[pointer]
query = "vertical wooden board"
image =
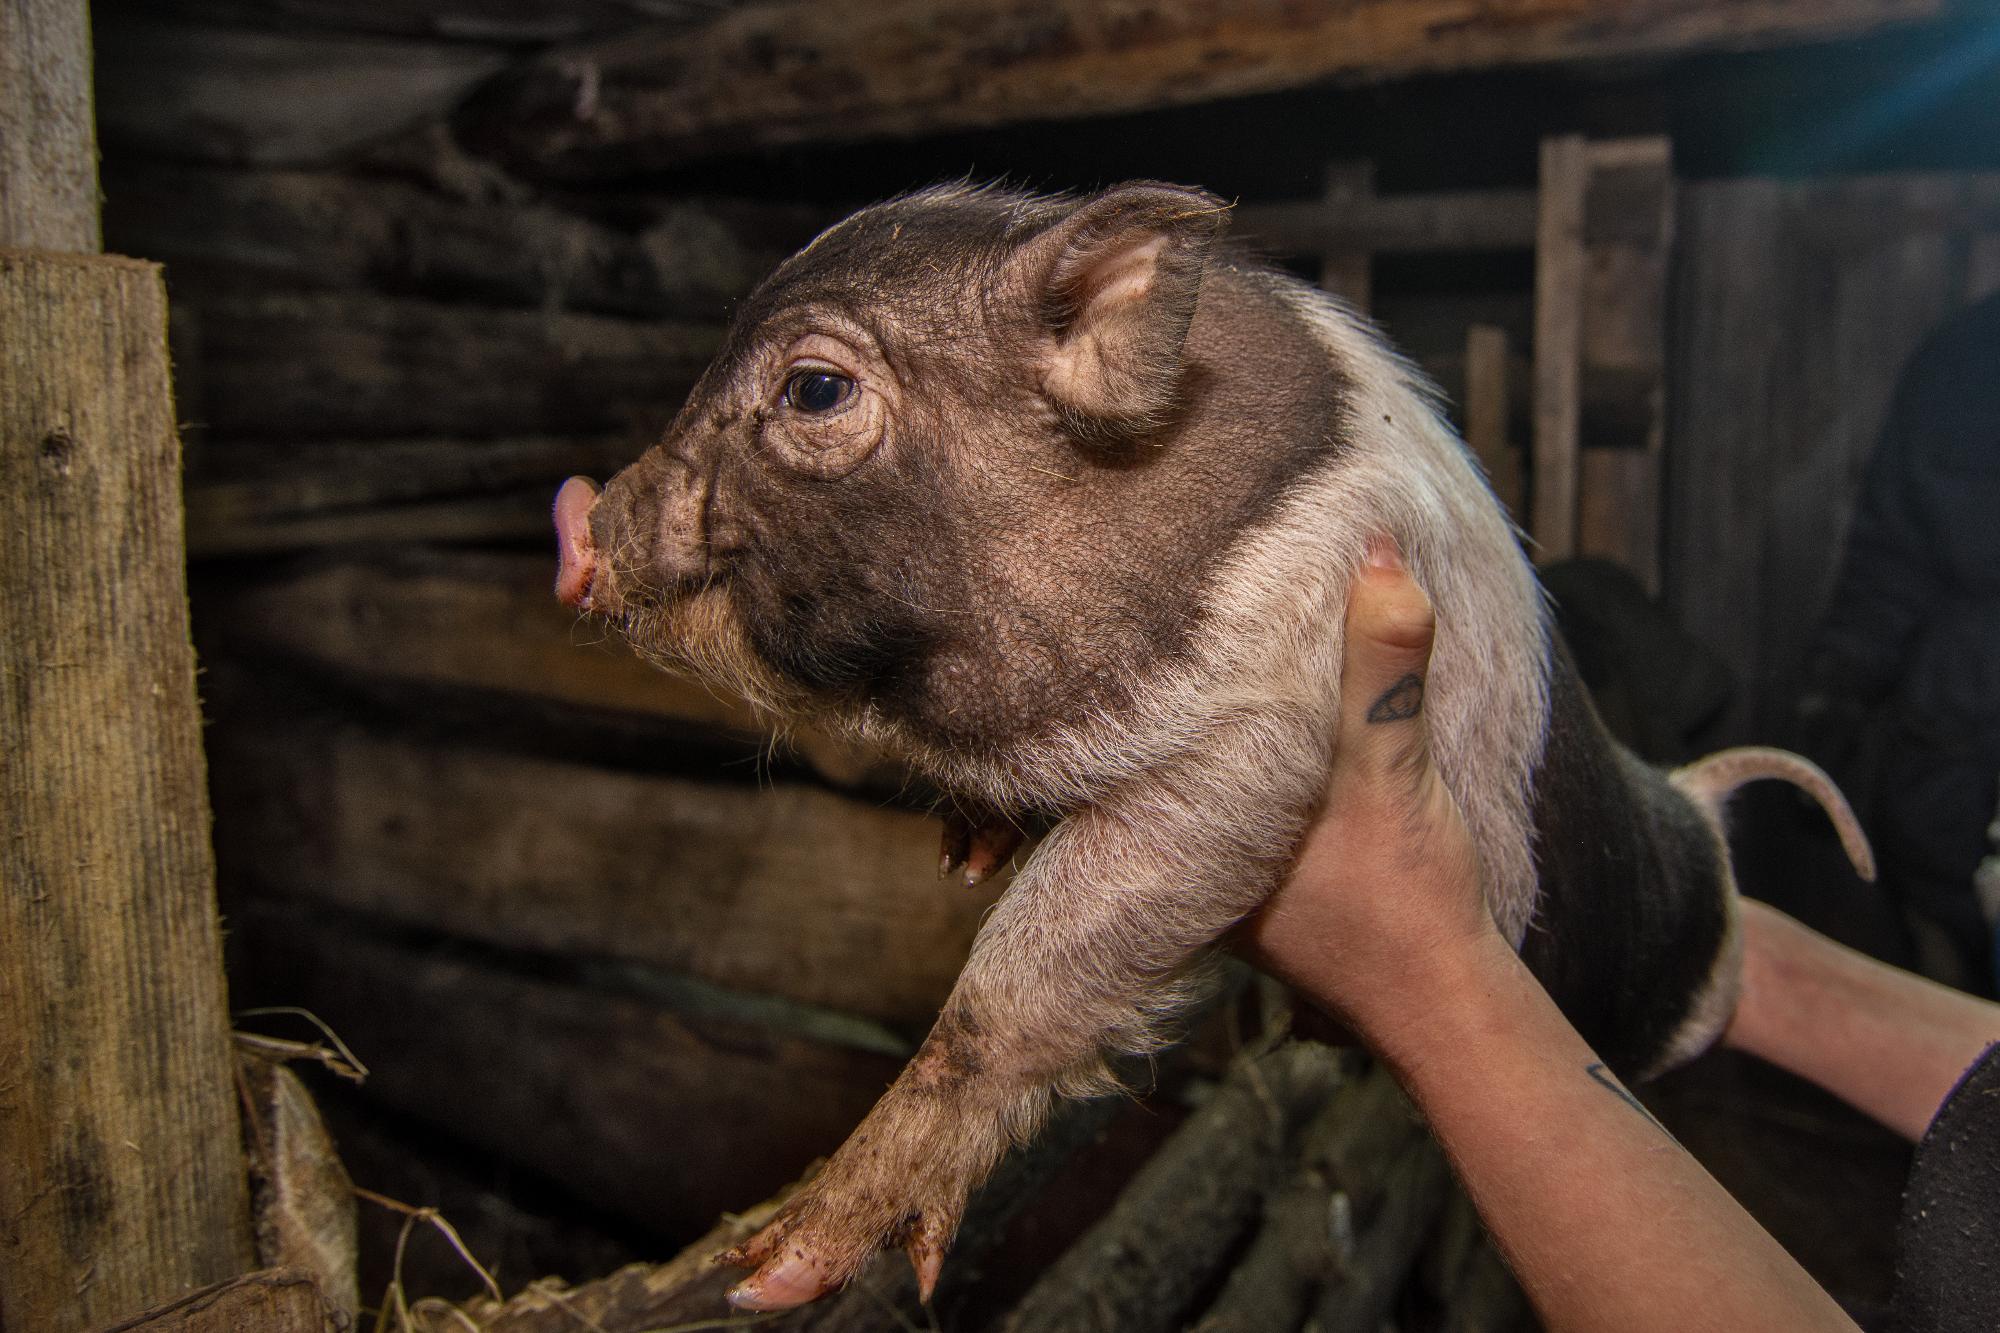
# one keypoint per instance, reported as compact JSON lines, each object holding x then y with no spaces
{"x":121,"y":1168}
{"x":1857,"y":315}
{"x":1486,"y":413}
{"x":48,"y":131}
{"x":1349,"y":274}
{"x":1727,"y":344}
{"x":1619,"y":514}
{"x":1559,"y":282}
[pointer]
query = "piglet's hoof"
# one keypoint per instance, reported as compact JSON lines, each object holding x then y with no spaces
{"x":977,"y":846}
{"x":820,"y":1242}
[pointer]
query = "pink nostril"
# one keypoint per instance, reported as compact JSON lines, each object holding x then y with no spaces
{"x":573,"y":543}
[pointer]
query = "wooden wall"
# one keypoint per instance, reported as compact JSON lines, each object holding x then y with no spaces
{"x":1796,"y":305}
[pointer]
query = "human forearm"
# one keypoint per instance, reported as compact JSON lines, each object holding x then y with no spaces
{"x":1607,"y":1222}
{"x":1887,"y":1042}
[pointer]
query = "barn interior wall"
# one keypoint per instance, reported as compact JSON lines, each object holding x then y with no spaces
{"x":441,"y":807}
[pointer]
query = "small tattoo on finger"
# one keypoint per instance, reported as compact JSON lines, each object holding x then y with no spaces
{"x":1400,"y":702}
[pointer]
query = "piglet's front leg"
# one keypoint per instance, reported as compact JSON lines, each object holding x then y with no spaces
{"x":1084,"y":957}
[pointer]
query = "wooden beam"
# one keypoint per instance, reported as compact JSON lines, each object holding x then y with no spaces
{"x":664,"y":1113}
{"x":286,"y":367}
{"x":1559,"y":292}
{"x":48,"y":133}
{"x":122,"y":1178}
{"x":791,"y":891}
{"x":797,"y":71}
{"x":479,"y":620}
{"x":182,"y":90}
{"x":1395,"y":223}
{"x":331,"y":229}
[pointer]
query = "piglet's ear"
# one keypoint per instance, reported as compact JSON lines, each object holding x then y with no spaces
{"x":1119,"y":281}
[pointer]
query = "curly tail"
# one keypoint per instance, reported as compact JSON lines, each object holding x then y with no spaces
{"x":1713,"y":779}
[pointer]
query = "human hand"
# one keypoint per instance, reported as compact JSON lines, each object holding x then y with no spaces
{"x":1385,"y":900}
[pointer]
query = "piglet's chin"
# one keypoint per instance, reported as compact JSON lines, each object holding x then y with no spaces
{"x":575,"y":549}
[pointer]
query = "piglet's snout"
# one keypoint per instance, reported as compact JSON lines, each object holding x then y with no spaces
{"x":575,"y":547}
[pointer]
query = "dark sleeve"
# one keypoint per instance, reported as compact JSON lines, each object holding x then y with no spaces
{"x":1948,"y":1245}
{"x":1890,"y":577}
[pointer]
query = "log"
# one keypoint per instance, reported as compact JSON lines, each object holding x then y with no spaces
{"x":257,"y":495}
{"x":271,"y":1300}
{"x":302,"y":229}
{"x":790,"y":891}
{"x":221,"y":94}
{"x":1414,"y":1191}
{"x":481,"y":621}
{"x":661,"y":1106}
{"x":48,"y":134}
{"x":1174,"y":1228}
{"x":304,"y":1201}
{"x":121,"y":1168}
{"x":291,"y":367}
{"x":797,"y":72}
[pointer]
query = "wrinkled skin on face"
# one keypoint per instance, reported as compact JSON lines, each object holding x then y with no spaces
{"x":957,"y":473}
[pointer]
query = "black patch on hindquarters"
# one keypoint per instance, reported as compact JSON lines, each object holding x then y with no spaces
{"x":1631,"y":914}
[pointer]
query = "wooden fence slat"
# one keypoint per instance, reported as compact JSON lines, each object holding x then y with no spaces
{"x":48,"y":128}
{"x":121,"y":1168}
{"x":1559,"y":284}
{"x":1349,"y":274}
{"x":1486,"y":409}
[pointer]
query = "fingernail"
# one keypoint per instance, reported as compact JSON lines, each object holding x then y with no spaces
{"x":1383,"y":552}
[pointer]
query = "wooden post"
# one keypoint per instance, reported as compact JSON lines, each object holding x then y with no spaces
{"x":121,"y":1165}
{"x":48,"y":137}
{"x":1559,"y":278}
{"x":1486,"y":412}
{"x":1348,"y":274}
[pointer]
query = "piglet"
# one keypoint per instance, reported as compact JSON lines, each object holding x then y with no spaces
{"x":1059,"y":499}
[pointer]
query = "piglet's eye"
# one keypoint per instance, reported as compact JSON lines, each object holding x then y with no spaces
{"x":818,"y":390}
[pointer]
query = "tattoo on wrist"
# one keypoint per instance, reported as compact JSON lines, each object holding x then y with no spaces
{"x":1604,"y":1078}
{"x":1400,"y":702}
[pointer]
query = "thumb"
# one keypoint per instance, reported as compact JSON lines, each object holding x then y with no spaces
{"x":1389,"y":632}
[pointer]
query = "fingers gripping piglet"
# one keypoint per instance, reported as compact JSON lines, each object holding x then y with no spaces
{"x":1059,"y":499}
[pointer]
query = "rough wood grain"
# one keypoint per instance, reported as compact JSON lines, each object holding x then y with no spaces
{"x":1559,"y":281}
{"x":271,"y":1300}
{"x":789,"y":891}
{"x":48,"y":131}
{"x":285,"y":367}
{"x":1487,"y":413}
{"x":662,"y":1107}
{"x":259,"y":496}
{"x":479,"y":620}
{"x":121,"y":1171}
{"x":1176,"y":1226}
{"x":796,"y":71}
{"x":332,"y":229}
{"x":224,"y":94}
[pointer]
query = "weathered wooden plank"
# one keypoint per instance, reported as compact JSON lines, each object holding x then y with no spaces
{"x":664,"y":1113}
{"x":1730,"y":340}
{"x":511,"y":21}
{"x":792,"y":891}
{"x":121,"y":1167}
{"x":48,"y":132}
{"x":795,"y":71}
{"x":223,"y":94}
{"x":1349,"y":273}
{"x":1486,"y":413}
{"x":1559,"y":284}
{"x":289,"y":366}
{"x":478,"y":621}
{"x":328,"y":229}
{"x":271,"y":1300}
{"x":1393,"y":224}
